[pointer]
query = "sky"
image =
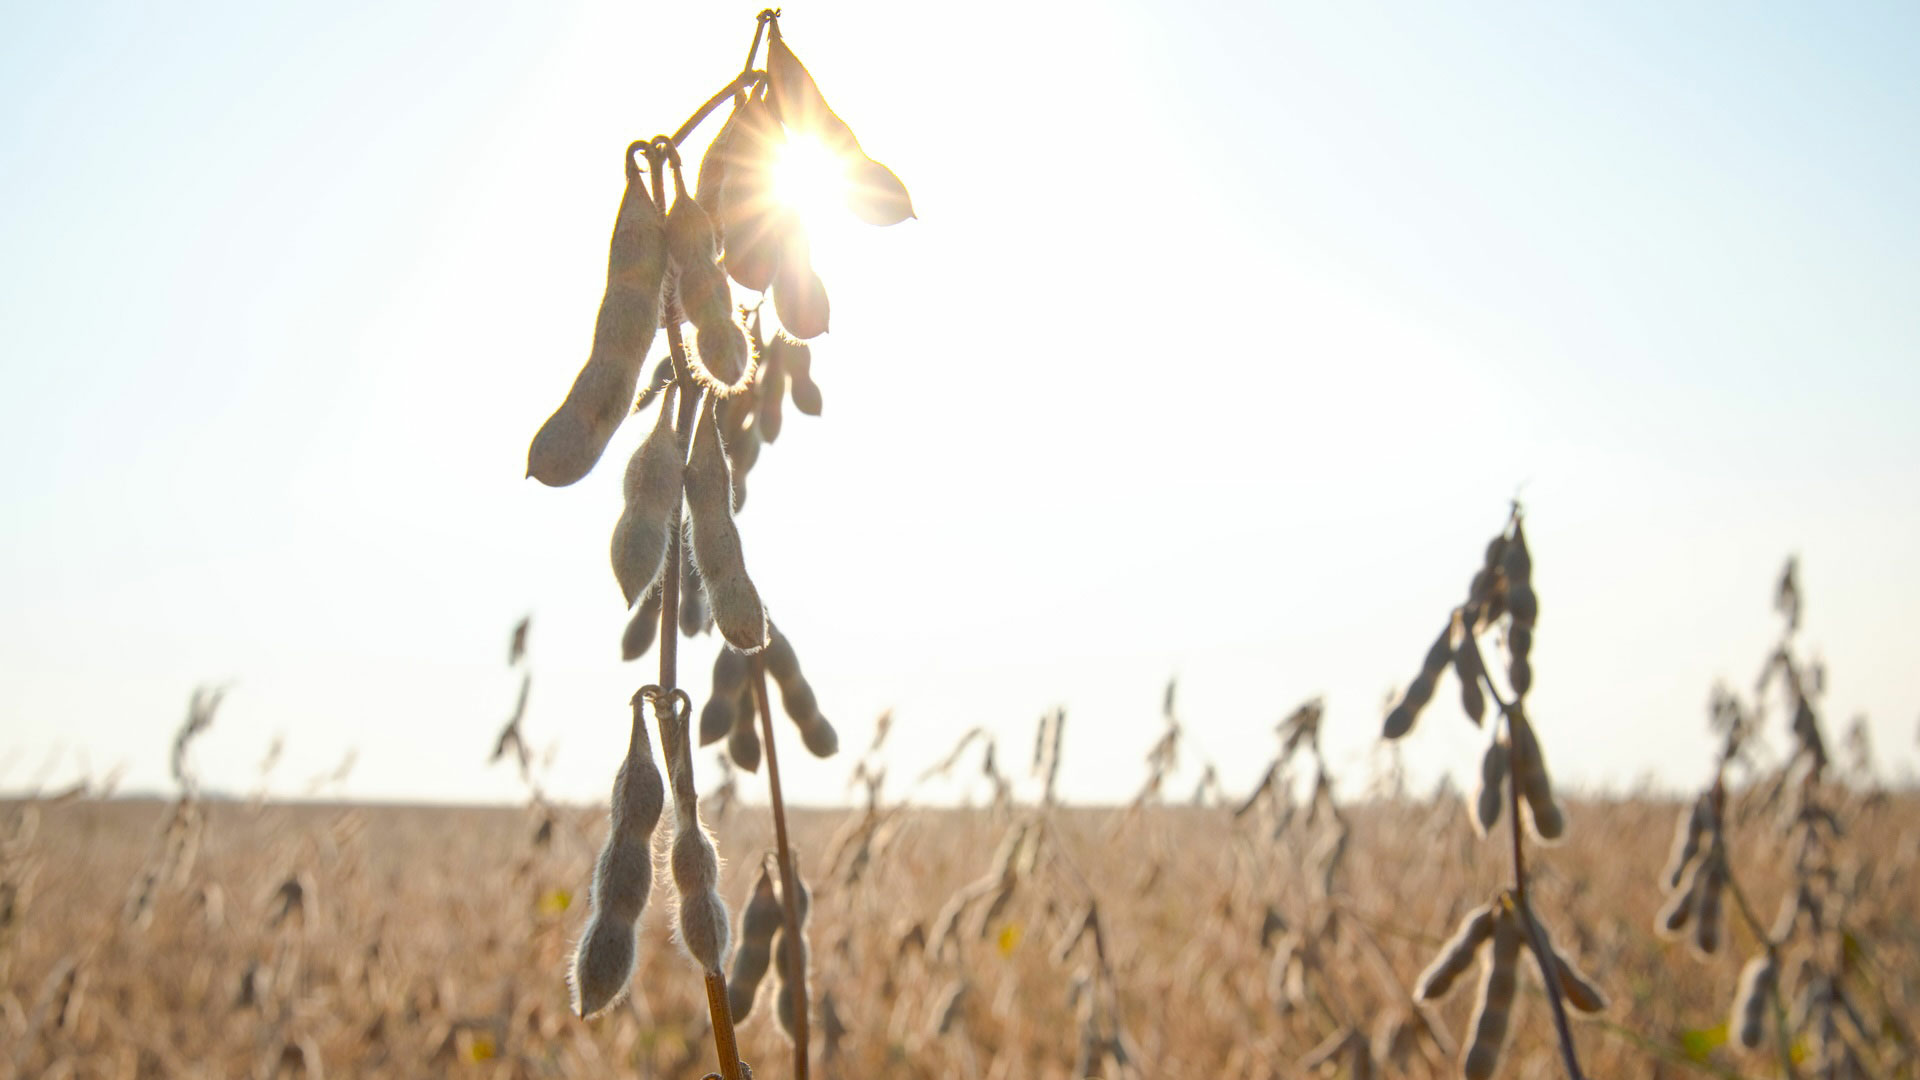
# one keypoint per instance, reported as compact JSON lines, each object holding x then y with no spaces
{"x":1223,"y":339}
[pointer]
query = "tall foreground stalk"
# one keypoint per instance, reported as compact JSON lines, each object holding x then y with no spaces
{"x":676,"y":550}
{"x":1513,"y":782}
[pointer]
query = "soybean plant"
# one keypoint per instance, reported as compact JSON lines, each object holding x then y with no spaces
{"x":1810,"y":980}
{"x":720,"y":394}
{"x":1513,"y":783}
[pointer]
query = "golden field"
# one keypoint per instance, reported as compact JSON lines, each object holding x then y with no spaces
{"x":434,"y":941}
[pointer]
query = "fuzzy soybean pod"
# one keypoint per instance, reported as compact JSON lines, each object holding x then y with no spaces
{"x":772,"y":388}
{"x":797,"y":101}
{"x":1495,"y":1006}
{"x":642,"y":628}
{"x":743,"y":740}
{"x":1530,"y":776}
{"x":1707,"y":906}
{"x":1678,"y":909}
{"x":799,"y":296}
{"x":1519,"y":668}
{"x":748,"y":216}
{"x":721,"y":714}
{"x":740,"y":434}
{"x":1517,"y":565}
{"x":790,"y":956}
{"x":1686,"y":841}
{"x":1466,"y":667}
{"x":797,"y":359}
{"x":1490,"y":791}
{"x":797,"y":698}
{"x":1420,"y":690}
{"x":1456,"y":955}
{"x":729,"y":679}
{"x":715,"y":541}
{"x":696,"y":877}
{"x":652,"y":491}
{"x":758,"y":922}
{"x":710,"y":189}
{"x":622,"y":878}
{"x":720,"y":345}
{"x":694,"y":617}
{"x":1748,"y":1019}
{"x":875,"y":195}
{"x":573,"y":438}
{"x":1579,"y":991}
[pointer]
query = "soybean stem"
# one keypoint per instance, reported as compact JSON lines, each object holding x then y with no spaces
{"x":796,"y":976}
{"x":723,"y":1037}
{"x":1536,"y":939}
{"x":743,"y":81}
{"x":1781,"y":1043}
{"x":676,"y":745}
{"x":759,"y":27}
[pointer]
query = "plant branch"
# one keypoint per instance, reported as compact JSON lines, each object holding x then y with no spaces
{"x":676,"y":744}
{"x":1782,"y":1044}
{"x":796,"y":975}
{"x":743,"y":81}
{"x":1536,"y":938}
{"x":759,"y":27}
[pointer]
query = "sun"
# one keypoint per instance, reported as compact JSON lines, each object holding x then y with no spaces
{"x":811,"y":179}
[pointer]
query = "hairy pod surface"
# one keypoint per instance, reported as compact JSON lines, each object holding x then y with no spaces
{"x":642,"y":628}
{"x":1495,"y":1006}
{"x":703,"y":914}
{"x":720,"y":343}
{"x":1456,"y":955}
{"x":623,"y":876}
{"x":602,"y":966}
{"x":715,"y":541}
{"x":573,"y":438}
{"x":624,"y":873}
{"x":656,"y":385}
{"x":652,"y":490}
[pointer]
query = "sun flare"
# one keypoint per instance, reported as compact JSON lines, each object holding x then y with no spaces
{"x":811,"y":179}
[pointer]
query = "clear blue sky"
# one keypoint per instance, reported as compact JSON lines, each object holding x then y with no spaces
{"x":1222,"y":340}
